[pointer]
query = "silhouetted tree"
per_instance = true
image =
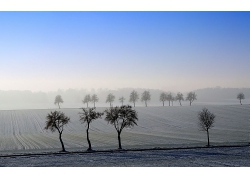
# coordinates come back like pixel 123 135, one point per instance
pixel 191 96
pixel 206 120
pixel 56 121
pixel 145 97
pixel 134 96
pixel 122 99
pixel 110 98
pixel 58 100
pixel 240 96
pixel 121 117
pixel 169 98
pixel 179 97
pixel 163 97
pixel 87 99
pixel 94 99
pixel 87 116
pixel 172 100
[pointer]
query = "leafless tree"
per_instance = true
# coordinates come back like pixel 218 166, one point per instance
pixel 58 100
pixel 94 99
pixel 56 121
pixel 134 96
pixel 191 96
pixel 206 121
pixel 146 96
pixel 122 99
pixel 179 97
pixel 121 117
pixel 87 99
pixel 169 98
pixel 110 98
pixel 87 116
pixel 240 96
pixel 172 100
pixel 163 97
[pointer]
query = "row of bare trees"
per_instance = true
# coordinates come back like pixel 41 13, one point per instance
pixel 145 97
pixel 120 117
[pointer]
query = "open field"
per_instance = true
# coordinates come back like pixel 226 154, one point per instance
pixel 22 131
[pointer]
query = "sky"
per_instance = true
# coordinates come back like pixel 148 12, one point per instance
pixel 171 50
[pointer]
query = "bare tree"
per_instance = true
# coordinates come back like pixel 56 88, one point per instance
pixel 110 98
pixel 163 97
pixel 87 99
pixel 169 98
pixel 87 116
pixel 206 120
pixel 179 97
pixel 191 96
pixel 56 121
pixel 94 99
pixel 172 100
pixel 122 99
pixel 121 117
pixel 240 96
pixel 134 96
pixel 146 96
pixel 58 100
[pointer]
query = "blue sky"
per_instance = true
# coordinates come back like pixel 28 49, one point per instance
pixel 172 51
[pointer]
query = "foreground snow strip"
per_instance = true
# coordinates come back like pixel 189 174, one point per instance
pixel 195 157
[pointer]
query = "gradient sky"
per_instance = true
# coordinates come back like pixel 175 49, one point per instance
pixel 172 51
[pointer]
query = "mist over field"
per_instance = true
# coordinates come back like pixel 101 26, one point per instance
pixel 73 97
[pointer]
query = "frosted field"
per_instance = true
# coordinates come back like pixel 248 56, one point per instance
pixel 199 157
pixel 22 131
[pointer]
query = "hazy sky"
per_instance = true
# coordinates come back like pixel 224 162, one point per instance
pixel 172 51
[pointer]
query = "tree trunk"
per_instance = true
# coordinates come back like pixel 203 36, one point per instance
pixel 172 103
pixel 134 104
pixel 87 105
pixel 180 103
pixel 163 103
pixel 208 144
pixel 59 105
pixel 119 140
pixel 146 103
pixel 88 139
pixel 168 103
pixel 60 137
pixel 94 104
pixel 240 101
pixel 190 103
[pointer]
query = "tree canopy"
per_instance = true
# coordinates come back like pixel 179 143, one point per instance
pixel 146 96
pixel 56 121
pixel 191 96
pixel 134 97
pixel 121 117
pixel 110 99
pixel 58 100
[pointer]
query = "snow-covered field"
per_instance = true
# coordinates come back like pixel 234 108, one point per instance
pixel 22 131
pixel 198 157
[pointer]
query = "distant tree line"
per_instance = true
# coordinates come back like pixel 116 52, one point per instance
pixel 145 97
pixel 134 97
